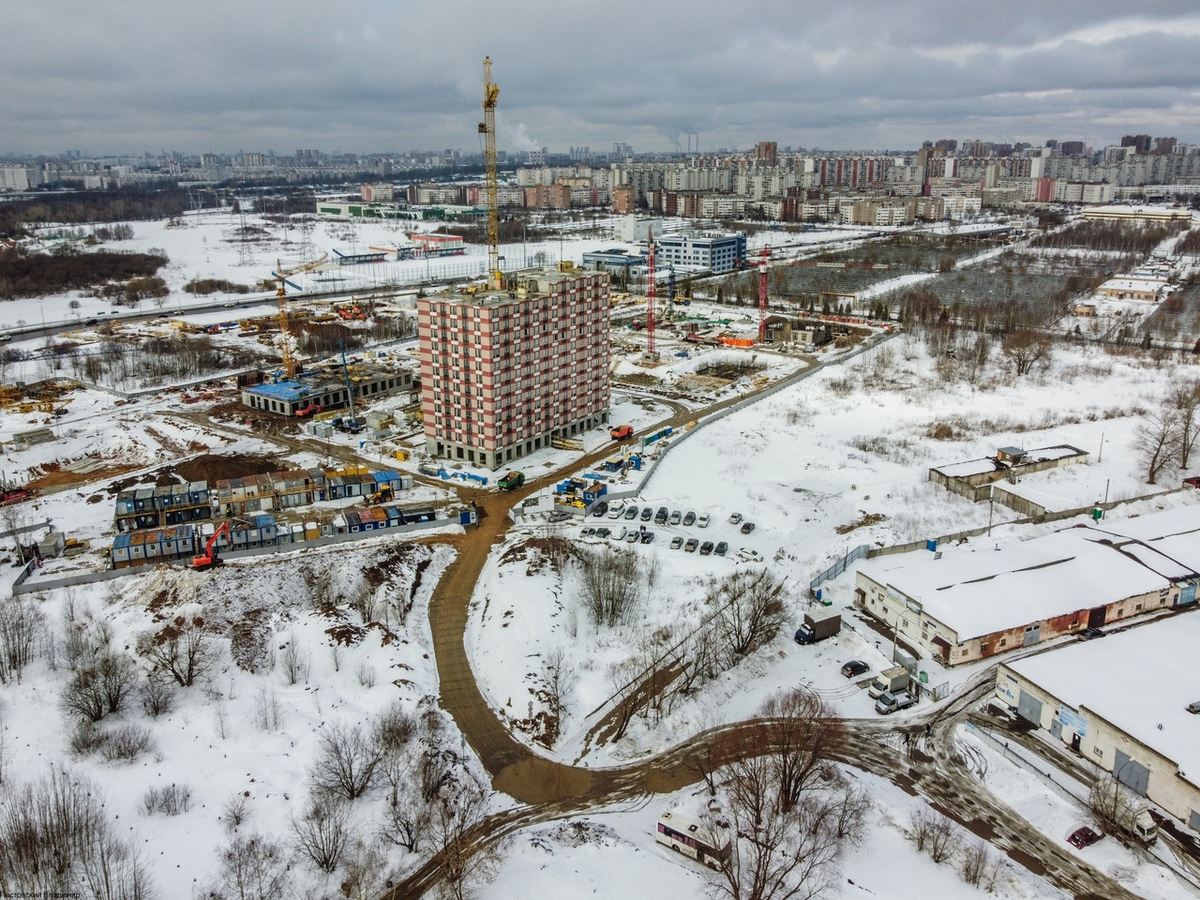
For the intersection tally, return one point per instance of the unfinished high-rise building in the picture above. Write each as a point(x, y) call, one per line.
point(504, 372)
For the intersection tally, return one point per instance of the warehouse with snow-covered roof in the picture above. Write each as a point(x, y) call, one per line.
point(968, 605)
point(1126, 703)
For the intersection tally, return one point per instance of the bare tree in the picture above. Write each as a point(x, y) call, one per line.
point(56, 839)
point(774, 854)
point(21, 625)
point(323, 833)
point(1156, 441)
point(251, 868)
point(933, 833)
point(801, 734)
point(365, 873)
point(347, 761)
point(1112, 806)
point(1184, 398)
point(750, 610)
point(294, 661)
point(184, 650)
point(611, 584)
point(466, 862)
point(1027, 350)
point(560, 679)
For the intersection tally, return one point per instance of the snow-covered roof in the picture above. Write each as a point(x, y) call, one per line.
point(983, 592)
point(1133, 680)
point(979, 466)
point(1175, 534)
point(1139, 285)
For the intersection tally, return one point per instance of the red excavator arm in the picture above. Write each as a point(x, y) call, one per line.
point(210, 549)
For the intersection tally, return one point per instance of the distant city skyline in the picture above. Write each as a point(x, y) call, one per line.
point(221, 78)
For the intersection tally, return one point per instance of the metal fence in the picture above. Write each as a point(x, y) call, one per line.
point(859, 552)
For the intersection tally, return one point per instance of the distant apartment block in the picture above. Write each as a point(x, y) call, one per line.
point(719, 254)
point(18, 178)
point(505, 372)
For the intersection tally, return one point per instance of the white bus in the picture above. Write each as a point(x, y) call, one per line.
point(692, 839)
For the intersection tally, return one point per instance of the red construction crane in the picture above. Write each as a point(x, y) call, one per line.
point(650, 293)
point(762, 305)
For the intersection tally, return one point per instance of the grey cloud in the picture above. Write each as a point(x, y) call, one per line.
point(115, 76)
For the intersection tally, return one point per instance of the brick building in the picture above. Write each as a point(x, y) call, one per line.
point(503, 372)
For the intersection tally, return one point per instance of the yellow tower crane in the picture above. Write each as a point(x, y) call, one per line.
point(488, 129)
point(278, 282)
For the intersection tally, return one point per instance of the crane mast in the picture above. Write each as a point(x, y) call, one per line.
point(650, 296)
point(488, 129)
point(762, 304)
point(279, 282)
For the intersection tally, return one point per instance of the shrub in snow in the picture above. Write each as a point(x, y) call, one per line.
point(127, 743)
point(157, 695)
point(170, 800)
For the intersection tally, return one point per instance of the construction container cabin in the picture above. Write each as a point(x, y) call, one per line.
point(162, 506)
point(158, 545)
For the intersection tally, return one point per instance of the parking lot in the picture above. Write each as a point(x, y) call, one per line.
point(686, 530)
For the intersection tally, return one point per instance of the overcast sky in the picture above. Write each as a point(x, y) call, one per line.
point(115, 76)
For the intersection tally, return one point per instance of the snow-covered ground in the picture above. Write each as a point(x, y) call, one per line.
point(615, 854)
point(845, 450)
point(246, 728)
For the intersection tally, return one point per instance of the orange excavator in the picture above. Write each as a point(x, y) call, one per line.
point(210, 558)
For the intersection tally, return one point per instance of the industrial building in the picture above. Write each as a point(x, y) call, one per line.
point(326, 389)
point(505, 371)
point(966, 605)
point(1126, 704)
point(715, 254)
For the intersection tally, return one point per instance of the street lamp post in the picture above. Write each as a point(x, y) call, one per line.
point(1100, 455)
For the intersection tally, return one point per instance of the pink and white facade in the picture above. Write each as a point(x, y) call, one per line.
point(504, 372)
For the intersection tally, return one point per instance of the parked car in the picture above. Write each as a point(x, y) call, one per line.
point(691, 545)
point(887, 702)
point(1088, 633)
point(587, 532)
point(600, 508)
point(559, 515)
point(631, 512)
point(706, 548)
point(676, 517)
point(854, 668)
point(689, 518)
point(735, 518)
point(702, 521)
point(647, 537)
point(660, 517)
point(632, 536)
point(676, 542)
point(747, 527)
point(721, 549)
point(1083, 837)
point(647, 514)
point(745, 554)
point(617, 534)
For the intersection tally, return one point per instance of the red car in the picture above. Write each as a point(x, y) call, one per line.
point(1083, 837)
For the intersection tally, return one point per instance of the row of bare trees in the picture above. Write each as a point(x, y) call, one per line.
point(741, 613)
point(1166, 437)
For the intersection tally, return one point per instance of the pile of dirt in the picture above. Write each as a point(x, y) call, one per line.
point(212, 467)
